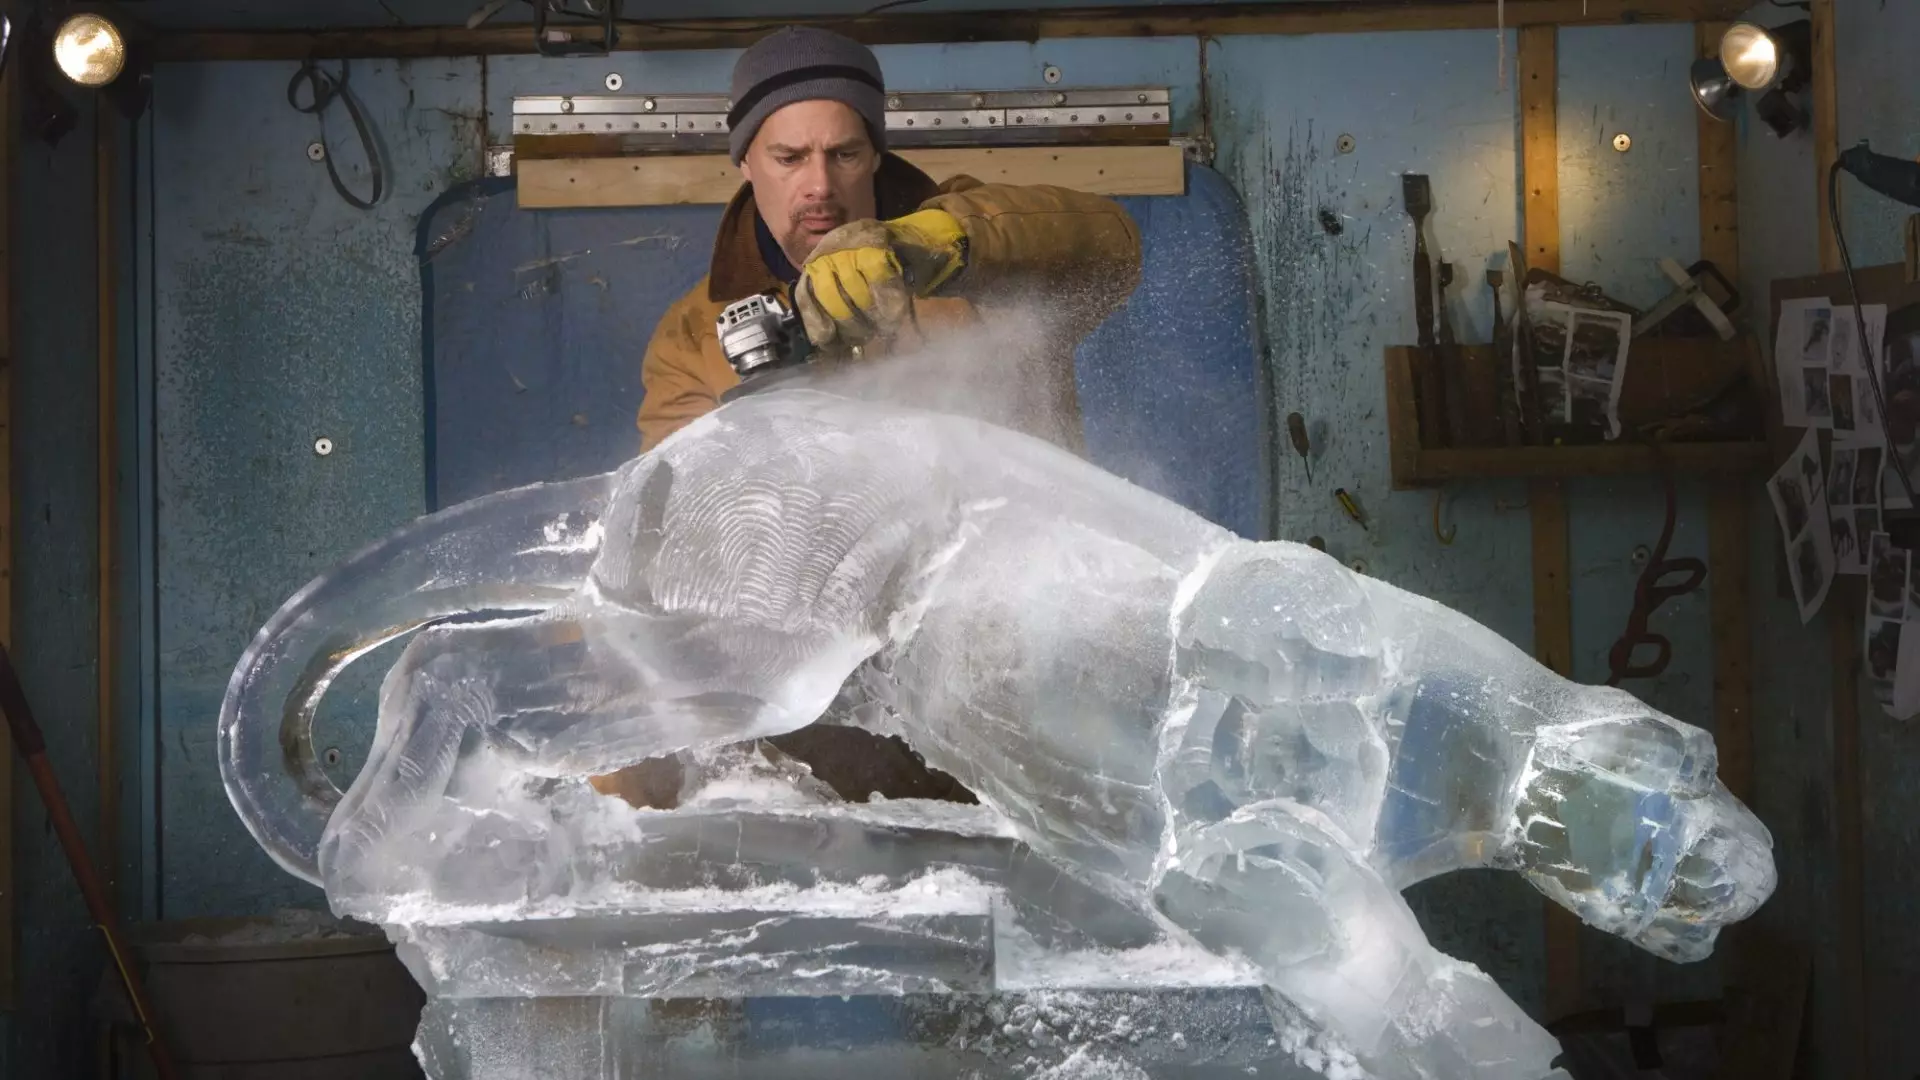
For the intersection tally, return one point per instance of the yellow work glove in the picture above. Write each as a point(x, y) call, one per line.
point(860, 281)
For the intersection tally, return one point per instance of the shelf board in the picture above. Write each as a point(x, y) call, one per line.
point(1437, 466)
point(1416, 465)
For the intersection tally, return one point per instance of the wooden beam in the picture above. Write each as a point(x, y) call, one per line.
point(1547, 499)
point(1844, 623)
point(106, 271)
point(1719, 192)
point(657, 180)
point(9, 142)
point(1730, 620)
point(1540, 145)
point(1826, 125)
point(1202, 20)
point(1727, 561)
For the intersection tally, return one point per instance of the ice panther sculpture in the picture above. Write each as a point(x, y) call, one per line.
point(1246, 742)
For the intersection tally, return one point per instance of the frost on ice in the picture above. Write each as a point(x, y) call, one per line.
point(1199, 760)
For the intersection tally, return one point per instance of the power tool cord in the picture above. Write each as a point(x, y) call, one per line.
point(1860, 322)
point(325, 89)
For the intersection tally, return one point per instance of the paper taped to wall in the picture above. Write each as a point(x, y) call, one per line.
point(1799, 493)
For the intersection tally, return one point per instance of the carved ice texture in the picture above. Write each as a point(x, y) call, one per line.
point(1199, 760)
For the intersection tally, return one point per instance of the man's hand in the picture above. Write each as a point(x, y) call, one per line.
point(860, 281)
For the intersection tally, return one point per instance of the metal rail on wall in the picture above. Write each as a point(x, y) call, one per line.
point(694, 123)
point(572, 151)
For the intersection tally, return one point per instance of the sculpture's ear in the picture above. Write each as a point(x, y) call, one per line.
point(1644, 749)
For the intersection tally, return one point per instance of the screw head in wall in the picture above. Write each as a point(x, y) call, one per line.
point(316, 151)
point(615, 82)
point(323, 446)
point(1623, 142)
point(1344, 144)
point(1051, 74)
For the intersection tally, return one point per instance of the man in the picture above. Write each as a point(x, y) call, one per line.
point(875, 254)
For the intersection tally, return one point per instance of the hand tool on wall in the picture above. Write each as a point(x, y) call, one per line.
point(1509, 406)
point(1431, 384)
point(1351, 507)
point(1691, 290)
point(1297, 433)
point(1452, 367)
point(32, 747)
point(1527, 375)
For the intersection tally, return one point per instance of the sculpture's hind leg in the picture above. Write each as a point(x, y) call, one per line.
point(503, 707)
point(1278, 883)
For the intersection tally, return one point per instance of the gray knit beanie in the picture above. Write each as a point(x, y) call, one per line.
point(802, 63)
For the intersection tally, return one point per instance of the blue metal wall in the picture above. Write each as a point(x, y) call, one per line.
point(280, 315)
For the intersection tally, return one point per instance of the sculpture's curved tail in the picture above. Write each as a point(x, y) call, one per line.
point(519, 550)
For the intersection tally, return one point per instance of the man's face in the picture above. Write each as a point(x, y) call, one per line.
point(811, 165)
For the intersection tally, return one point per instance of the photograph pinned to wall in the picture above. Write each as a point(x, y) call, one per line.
point(1819, 408)
point(1905, 692)
point(1842, 403)
point(1799, 493)
point(1580, 361)
point(1866, 476)
point(1802, 358)
point(1596, 367)
point(1900, 382)
point(1885, 647)
point(1889, 581)
point(1887, 568)
point(1905, 689)
point(1856, 417)
point(1852, 505)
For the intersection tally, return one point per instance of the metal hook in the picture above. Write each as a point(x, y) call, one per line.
point(1444, 536)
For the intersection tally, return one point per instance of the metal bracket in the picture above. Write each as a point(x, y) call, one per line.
point(1197, 149)
point(552, 41)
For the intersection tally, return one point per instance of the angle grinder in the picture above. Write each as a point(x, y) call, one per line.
point(763, 342)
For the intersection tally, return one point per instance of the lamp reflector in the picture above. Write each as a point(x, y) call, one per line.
point(89, 50)
point(1713, 89)
point(1750, 55)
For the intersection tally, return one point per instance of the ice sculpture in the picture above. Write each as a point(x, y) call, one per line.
point(1175, 735)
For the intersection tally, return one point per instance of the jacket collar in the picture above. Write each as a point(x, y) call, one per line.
point(737, 269)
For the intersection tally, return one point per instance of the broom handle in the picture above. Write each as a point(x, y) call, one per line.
point(33, 747)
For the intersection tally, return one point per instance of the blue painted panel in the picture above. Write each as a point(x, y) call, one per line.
point(282, 315)
point(538, 320)
point(1169, 386)
point(536, 327)
point(1621, 211)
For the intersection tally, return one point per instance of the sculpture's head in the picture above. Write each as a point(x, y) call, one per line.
point(1624, 821)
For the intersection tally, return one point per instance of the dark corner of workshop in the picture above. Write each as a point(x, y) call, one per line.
point(958, 539)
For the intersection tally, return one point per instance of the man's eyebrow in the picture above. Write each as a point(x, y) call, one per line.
point(782, 149)
point(854, 143)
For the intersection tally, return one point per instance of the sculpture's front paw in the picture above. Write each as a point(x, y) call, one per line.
point(1624, 822)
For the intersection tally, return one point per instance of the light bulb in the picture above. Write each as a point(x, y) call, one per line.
point(89, 50)
point(1750, 55)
